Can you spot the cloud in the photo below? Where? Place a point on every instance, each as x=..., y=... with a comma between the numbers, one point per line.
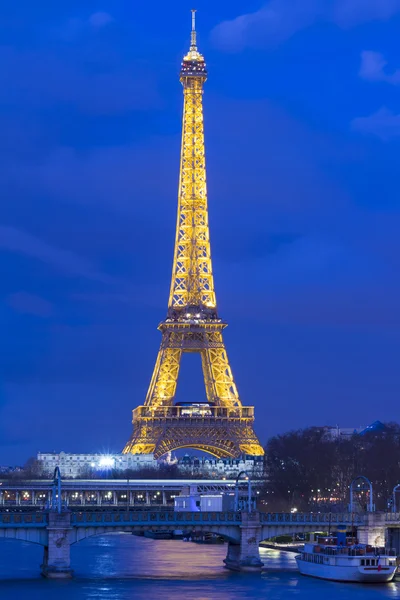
x=348, y=13
x=117, y=177
x=278, y=20
x=275, y=22
x=42, y=80
x=383, y=124
x=75, y=27
x=17, y=241
x=373, y=68
x=100, y=19
x=30, y=304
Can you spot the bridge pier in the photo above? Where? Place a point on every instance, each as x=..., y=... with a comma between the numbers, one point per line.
x=394, y=539
x=245, y=556
x=374, y=530
x=57, y=554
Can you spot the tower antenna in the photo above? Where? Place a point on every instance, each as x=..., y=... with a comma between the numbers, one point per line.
x=193, y=35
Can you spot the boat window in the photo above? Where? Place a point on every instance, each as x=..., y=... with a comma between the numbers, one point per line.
x=372, y=562
x=367, y=562
x=362, y=562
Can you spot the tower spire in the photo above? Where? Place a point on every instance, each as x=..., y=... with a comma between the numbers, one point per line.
x=193, y=43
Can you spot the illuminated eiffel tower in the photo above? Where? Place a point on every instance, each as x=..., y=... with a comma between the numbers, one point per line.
x=220, y=426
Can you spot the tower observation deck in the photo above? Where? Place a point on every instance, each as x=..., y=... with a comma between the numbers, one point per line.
x=221, y=426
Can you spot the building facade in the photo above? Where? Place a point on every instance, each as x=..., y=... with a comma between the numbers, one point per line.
x=343, y=433
x=221, y=467
x=82, y=465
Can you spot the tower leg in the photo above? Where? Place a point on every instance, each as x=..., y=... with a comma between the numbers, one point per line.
x=57, y=553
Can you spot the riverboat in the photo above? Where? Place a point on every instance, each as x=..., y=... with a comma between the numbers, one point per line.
x=357, y=563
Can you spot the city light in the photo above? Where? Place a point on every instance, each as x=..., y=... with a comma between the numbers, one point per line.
x=106, y=461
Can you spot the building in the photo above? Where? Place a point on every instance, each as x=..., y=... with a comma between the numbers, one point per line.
x=79, y=465
x=340, y=433
x=220, y=467
x=84, y=465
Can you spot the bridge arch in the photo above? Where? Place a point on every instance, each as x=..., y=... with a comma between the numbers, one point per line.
x=32, y=536
x=79, y=534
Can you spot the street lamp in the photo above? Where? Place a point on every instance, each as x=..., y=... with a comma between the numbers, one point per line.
x=367, y=486
x=247, y=478
x=395, y=489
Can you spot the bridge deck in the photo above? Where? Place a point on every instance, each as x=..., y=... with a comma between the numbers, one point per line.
x=113, y=518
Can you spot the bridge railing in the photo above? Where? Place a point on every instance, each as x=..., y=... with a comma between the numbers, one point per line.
x=21, y=519
x=304, y=518
x=193, y=412
x=392, y=517
x=159, y=518
x=154, y=518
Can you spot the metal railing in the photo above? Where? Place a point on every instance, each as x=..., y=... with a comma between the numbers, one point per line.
x=141, y=517
x=21, y=519
x=187, y=413
x=305, y=518
x=393, y=517
x=154, y=518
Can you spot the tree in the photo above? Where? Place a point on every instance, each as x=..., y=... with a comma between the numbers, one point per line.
x=308, y=470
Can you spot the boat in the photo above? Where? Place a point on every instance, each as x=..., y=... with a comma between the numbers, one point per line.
x=206, y=538
x=346, y=561
x=158, y=535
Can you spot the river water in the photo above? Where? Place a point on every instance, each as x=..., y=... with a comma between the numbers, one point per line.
x=125, y=567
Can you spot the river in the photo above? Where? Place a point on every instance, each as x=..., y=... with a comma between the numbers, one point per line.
x=125, y=567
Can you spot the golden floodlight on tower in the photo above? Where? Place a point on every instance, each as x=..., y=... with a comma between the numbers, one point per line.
x=221, y=426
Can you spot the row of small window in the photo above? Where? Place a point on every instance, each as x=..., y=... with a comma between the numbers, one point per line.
x=369, y=562
x=70, y=458
x=314, y=558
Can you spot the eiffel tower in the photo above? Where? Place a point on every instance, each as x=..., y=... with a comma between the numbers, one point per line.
x=221, y=426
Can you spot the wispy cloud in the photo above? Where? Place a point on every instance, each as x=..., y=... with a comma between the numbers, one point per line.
x=100, y=19
x=30, y=304
x=278, y=20
x=75, y=27
x=373, y=68
x=383, y=124
x=42, y=80
x=15, y=240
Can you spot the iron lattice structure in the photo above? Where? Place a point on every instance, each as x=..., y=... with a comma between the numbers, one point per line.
x=222, y=427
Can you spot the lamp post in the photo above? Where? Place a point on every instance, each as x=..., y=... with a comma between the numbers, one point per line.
x=395, y=490
x=56, y=503
x=367, y=487
x=249, y=502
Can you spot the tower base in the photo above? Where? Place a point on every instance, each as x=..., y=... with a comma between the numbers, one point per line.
x=224, y=433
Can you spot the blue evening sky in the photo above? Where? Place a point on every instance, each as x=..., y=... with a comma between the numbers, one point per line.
x=302, y=116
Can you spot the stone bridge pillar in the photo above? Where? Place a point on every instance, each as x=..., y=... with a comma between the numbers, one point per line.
x=245, y=556
x=56, y=558
x=394, y=539
x=374, y=530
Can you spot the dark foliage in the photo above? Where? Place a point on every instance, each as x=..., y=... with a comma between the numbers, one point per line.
x=309, y=471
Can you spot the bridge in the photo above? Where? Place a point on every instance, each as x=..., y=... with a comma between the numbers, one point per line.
x=58, y=516
x=59, y=529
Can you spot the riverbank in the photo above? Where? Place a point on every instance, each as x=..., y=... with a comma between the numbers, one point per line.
x=282, y=547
